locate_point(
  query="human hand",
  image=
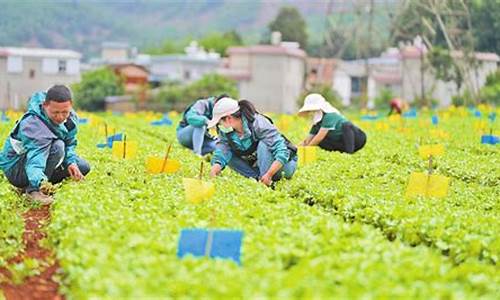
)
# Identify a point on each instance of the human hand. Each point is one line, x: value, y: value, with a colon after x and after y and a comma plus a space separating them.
x: 75, y: 172
x: 266, y: 179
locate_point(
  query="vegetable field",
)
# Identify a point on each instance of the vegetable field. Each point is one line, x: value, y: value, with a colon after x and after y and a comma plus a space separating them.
x: 342, y: 227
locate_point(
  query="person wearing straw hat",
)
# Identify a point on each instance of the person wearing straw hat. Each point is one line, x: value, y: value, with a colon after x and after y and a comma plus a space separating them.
x: 41, y: 147
x: 331, y: 130
x: 250, y: 144
x: 192, y: 131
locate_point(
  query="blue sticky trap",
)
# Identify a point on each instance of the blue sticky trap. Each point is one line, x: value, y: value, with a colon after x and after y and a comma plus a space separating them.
x: 4, y: 117
x: 114, y: 138
x: 368, y: 118
x: 83, y: 121
x: 477, y: 114
x: 164, y: 121
x: 490, y: 139
x: 435, y: 120
x: 492, y: 116
x: 412, y: 113
x: 225, y: 244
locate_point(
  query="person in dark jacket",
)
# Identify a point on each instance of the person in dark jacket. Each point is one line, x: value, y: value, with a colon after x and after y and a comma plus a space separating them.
x: 331, y: 130
x: 192, y: 131
x: 41, y: 147
x: 249, y: 143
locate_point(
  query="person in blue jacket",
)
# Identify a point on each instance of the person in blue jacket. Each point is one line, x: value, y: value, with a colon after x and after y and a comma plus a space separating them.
x: 250, y: 144
x: 192, y: 131
x: 41, y: 147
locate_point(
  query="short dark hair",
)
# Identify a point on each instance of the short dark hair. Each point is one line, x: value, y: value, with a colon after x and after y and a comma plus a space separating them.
x: 59, y: 93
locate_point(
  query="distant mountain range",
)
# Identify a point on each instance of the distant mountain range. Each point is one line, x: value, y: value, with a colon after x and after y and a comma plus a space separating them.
x: 84, y: 25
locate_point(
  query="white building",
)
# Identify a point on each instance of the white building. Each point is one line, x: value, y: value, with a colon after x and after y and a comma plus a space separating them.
x: 27, y: 70
x: 399, y: 70
x: 271, y: 76
x: 184, y: 68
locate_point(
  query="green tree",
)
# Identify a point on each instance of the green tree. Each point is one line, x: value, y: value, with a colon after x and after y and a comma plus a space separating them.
x: 177, y: 97
x: 326, y: 91
x: 291, y: 24
x: 490, y: 92
x: 168, y: 47
x: 95, y: 86
x: 486, y: 25
x: 220, y: 42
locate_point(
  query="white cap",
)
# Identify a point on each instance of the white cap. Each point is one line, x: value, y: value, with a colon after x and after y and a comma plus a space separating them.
x: 315, y: 102
x: 222, y: 108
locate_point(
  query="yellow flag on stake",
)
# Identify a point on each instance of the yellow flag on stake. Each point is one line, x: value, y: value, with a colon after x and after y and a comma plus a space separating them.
x: 382, y: 126
x: 307, y: 154
x: 425, y: 151
x: 124, y: 150
x: 427, y: 185
x: 156, y: 165
x: 197, y: 191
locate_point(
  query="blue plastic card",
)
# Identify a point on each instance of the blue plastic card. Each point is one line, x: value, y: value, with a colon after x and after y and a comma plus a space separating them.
x: 225, y: 244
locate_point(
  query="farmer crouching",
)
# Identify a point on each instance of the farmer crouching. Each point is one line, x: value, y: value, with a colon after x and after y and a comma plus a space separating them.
x: 41, y: 147
x: 249, y: 143
x: 330, y: 130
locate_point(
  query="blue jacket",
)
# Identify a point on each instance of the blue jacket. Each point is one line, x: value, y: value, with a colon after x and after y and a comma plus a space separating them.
x: 33, y: 135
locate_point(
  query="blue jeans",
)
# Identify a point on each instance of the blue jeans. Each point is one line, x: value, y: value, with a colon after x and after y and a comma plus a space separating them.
x: 264, y: 161
x: 54, y: 169
x: 194, y: 138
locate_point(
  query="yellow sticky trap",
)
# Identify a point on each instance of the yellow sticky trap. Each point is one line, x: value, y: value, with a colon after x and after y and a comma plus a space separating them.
x: 424, y: 123
x: 405, y: 130
x: 426, y: 151
x: 394, y: 118
x: 480, y: 125
x: 110, y: 130
x: 365, y: 125
x: 423, y: 184
x: 197, y: 191
x: 284, y: 123
x: 156, y: 165
x: 382, y: 126
x: 307, y: 154
x: 173, y: 114
x: 439, y: 134
x: 445, y: 115
x: 125, y: 152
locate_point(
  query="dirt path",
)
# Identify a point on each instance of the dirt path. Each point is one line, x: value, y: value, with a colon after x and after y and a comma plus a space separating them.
x: 41, y: 286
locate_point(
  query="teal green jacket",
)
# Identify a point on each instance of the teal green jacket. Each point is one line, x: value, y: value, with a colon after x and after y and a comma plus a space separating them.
x: 198, y: 114
x: 262, y: 131
x: 32, y: 137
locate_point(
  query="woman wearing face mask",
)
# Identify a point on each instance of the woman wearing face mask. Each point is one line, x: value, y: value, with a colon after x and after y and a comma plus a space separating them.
x: 249, y: 143
x: 331, y: 130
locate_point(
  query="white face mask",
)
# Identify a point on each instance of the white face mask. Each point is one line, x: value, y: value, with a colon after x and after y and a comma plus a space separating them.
x: 317, y: 116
